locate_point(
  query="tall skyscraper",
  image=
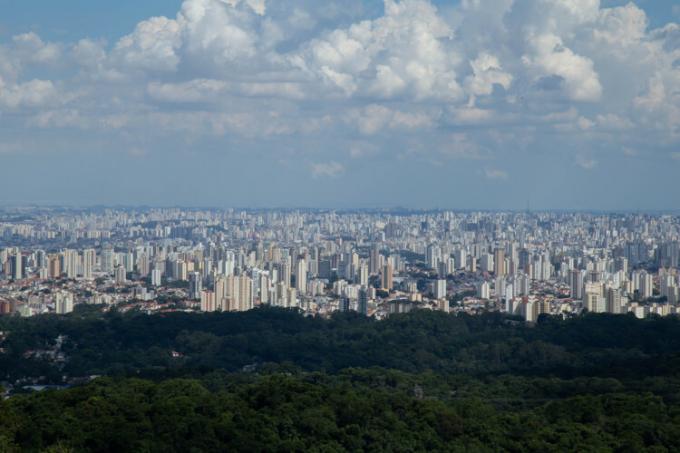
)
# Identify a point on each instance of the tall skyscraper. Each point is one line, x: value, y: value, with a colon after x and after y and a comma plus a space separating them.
x: 484, y: 290
x: 440, y: 289
x: 646, y: 285
x: 195, y: 285
x: 374, y: 260
x: 17, y: 266
x: 54, y: 266
x: 71, y: 261
x: 156, y: 277
x: 89, y: 259
x: 363, y: 301
x: 387, y: 277
x: 107, y: 260
x: 363, y: 274
x: 499, y: 262
x: 301, y: 277
x: 576, y: 284
x: 433, y: 255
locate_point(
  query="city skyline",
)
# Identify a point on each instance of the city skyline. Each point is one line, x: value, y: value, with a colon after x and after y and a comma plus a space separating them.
x: 378, y: 262
x: 341, y: 225
x: 494, y: 105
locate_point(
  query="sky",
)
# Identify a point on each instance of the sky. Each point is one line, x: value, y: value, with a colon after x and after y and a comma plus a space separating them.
x: 470, y: 104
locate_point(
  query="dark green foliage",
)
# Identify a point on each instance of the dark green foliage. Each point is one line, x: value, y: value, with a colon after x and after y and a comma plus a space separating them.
x: 371, y: 410
x: 115, y: 344
x: 274, y: 380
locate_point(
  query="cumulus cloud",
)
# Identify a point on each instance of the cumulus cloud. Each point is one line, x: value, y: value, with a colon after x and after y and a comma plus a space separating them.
x: 402, y: 53
x: 552, y: 58
x: 487, y: 72
x: 152, y: 46
x: 458, y: 78
x: 33, y: 49
x: 34, y: 93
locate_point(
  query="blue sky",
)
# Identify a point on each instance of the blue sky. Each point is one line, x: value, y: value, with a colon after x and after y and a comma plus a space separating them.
x: 491, y: 104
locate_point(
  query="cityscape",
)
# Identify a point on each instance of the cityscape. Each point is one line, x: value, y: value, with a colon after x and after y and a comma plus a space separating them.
x: 403, y: 226
x: 376, y: 263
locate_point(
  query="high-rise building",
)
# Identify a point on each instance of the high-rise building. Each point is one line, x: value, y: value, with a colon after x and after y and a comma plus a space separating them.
x: 646, y: 287
x: 433, y: 255
x: 486, y: 262
x: 301, y: 277
x: 207, y: 299
x: 363, y: 301
x: 17, y: 264
x: 54, y: 267
x: 195, y: 285
x: 614, y: 301
x: 89, y: 260
x: 484, y: 290
x: 499, y: 262
x: 143, y: 265
x: 460, y: 256
x: 374, y: 260
x: 63, y: 302
x: 70, y: 263
x: 387, y: 277
x: 156, y: 277
x: 363, y: 274
x: 440, y: 289
x: 264, y: 288
x: 245, y: 293
x: 107, y: 260
x: 120, y: 275
x: 576, y: 284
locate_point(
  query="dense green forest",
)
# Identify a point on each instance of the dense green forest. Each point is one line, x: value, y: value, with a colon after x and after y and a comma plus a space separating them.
x: 274, y: 380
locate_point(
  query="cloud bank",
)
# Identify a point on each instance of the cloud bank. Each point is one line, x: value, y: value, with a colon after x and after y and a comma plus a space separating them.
x: 482, y: 79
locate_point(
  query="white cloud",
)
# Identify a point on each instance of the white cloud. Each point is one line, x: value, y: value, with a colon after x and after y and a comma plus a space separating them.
x: 374, y: 118
x: 552, y: 58
x: 152, y: 46
x: 621, y: 26
x: 571, y: 71
x: 327, y: 169
x: 35, y: 50
x: 403, y: 53
x: 487, y: 72
x: 34, y: 93
x: 582, y: 10
x: 89, y: 53
x: 471, y: 115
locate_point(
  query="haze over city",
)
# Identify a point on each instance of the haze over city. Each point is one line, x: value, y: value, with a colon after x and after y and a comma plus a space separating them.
x: 424, y: 104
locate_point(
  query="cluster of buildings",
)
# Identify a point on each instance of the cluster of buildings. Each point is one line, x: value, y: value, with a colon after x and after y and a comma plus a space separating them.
x: 375, y: 262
